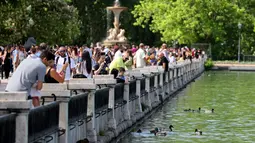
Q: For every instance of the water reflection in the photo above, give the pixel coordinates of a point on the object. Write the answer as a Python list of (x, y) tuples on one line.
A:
[(232, 96)]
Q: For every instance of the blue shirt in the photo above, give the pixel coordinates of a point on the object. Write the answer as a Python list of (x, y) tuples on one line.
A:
[(38, 54)]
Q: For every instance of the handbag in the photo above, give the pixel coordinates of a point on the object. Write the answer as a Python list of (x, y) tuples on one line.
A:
[(79, 75)]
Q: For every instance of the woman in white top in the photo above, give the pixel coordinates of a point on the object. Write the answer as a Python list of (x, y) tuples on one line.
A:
[(85, 67)]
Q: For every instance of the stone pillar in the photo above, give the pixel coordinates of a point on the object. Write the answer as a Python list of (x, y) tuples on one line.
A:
[(147, 89), (18, 102), (156, 85), (161, 84), (91, 128), (63, 119), (167, 84), (126, 97), (112, 124), (185, 74), (175, 78), (182, 82), (138, 93), (179, 77), (171, 81)]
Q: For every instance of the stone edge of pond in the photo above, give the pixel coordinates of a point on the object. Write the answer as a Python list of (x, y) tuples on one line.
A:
[(114, 136)]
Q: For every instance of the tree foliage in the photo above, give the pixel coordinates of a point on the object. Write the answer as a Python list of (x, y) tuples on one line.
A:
[(51, 21), (190, 21)]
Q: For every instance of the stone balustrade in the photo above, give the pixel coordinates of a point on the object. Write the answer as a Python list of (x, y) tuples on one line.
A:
[(98, 109)]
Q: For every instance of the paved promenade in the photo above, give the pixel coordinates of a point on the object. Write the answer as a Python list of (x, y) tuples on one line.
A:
[(3, 84)]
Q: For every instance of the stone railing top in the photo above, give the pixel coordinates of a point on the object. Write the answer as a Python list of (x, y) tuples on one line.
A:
[(83, 83), (58, 89), (104, 79), (136, 73), (15, 100), (13, 96)]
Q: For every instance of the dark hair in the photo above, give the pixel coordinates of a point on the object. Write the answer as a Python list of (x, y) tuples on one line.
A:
[(86, 57), (122, 69), (75, 49), (115, 72), (48, 55), (33, 49)]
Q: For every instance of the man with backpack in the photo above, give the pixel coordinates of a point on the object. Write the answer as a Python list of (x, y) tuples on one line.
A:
[(63, 58)]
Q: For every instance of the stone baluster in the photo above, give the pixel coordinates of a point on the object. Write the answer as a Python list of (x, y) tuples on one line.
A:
[(110, 82), (156, 85), (171, 80), (147, 89), (161, 85), (17, 102), (138, 93), (126, 97), (89, 86), (63, 96)]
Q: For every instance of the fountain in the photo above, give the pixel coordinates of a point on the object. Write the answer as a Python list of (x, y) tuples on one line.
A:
[(116, 35)]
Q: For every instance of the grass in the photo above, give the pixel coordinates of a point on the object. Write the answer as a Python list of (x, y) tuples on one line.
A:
[(233, 62)]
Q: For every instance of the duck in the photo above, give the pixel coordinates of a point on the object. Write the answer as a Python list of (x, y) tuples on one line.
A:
[(187, 110), (206, 111), (209, 111), (170, 128), (198, 132), (161, 133), (154, 131), (139, 131)]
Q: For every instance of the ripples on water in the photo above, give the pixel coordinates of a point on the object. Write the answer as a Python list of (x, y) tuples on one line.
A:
[(231, 94)]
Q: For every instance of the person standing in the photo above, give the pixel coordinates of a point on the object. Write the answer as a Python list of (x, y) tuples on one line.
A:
[(7, 62), (30, 73), (163, 62), (61, 60), (85, 67), (140, 57)]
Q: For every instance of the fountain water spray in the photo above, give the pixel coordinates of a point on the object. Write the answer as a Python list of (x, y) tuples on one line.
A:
[(117, 3)]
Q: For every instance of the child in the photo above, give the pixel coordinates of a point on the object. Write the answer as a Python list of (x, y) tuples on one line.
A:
[(121, 73)]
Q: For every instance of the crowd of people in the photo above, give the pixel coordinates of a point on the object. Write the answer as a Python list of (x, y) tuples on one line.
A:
[(43, 64)]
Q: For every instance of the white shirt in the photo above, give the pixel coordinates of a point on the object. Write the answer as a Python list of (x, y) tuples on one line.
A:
[(139, 57), (21, 55), (118, 54), (61, 63), (172, 59), (165, 52), (83, 70), (33, 56)]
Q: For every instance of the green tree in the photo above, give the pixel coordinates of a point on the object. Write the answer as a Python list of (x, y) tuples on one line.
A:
[(190, 21), (50, 21)]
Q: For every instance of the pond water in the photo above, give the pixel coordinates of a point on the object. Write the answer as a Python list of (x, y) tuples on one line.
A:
[(231, 94)]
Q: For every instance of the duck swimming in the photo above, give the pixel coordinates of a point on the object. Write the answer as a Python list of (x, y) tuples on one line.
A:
[(187, 110), (198, 132), (139, 131), (154, 131), (206, 111), (158, 132), (170, 128)]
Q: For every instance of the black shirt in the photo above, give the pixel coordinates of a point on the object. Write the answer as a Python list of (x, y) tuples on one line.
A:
[(103, 70), (162, 61), (49, 79)]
